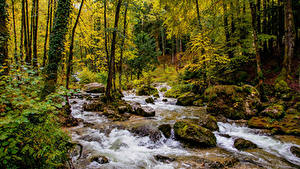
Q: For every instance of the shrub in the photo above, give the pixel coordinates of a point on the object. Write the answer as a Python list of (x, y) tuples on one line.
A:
[(30, 136)]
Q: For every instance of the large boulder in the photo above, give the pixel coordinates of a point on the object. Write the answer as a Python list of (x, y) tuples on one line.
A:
[(275, 111), (282, 90), (187, 99), (94, 88), (93, 106), (242, 144), (232, 101), (146, 91), (207, 121), (166, 130), (149, 100), (147, 130), (139, 110), (193, 135)]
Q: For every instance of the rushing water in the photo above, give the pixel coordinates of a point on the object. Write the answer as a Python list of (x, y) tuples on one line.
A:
[(99, 136)]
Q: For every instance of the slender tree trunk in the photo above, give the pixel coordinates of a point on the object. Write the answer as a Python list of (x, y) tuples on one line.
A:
[(289, 38), (122, 48), (226, 29), (258, 62), (4, 36), (258, 16), (15, 33), (32, 25), (46, 33), (57, 39), (112, 56), (105, 32), (21, 38), (35, 34), (198, 14), (70, 59)]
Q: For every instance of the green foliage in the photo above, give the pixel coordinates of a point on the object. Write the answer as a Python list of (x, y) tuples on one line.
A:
[(86, 76), (178, 90), (30, 135), (146, 54)]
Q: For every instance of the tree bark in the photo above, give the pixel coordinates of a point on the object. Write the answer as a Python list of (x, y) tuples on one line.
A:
[(289, 38), (57, 39), (46, 33), (70, 58), (105, 32), (15, 33), (4, 36), (122, 47), (226, 29), (112, 56), (35, 34), (257, 53), (198, 14)]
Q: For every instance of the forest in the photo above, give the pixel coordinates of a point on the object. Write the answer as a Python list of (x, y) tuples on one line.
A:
[(88, 84)]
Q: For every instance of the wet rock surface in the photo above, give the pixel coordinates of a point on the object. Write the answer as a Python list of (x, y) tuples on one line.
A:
[(147, 130), (242, 144), (94, 88), (165, 129), (193, 135), (164, 159)]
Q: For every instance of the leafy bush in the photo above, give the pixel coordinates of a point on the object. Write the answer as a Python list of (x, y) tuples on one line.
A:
[(86, 76), (178, 90), (30, 136)]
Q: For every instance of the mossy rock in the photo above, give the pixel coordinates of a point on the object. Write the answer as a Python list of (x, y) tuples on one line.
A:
[(193, 135), (146, 91), (207, 121), (164, 89), (232, 101), (149, 100), (295, 150), (198, 102), (275, 111), (187, 99), (282, 90), (261, 122), (242, 144), (166, 130), (178, 90)]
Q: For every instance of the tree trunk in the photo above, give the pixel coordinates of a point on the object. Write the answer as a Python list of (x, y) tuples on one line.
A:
[(4, 36), (57, 39), (35, 34), (122, 47), (226, 29), (289, 38), (70, 58), (198, 14), (15, 33), (105, 32), (46, 33), (112, 56), (258, 62)]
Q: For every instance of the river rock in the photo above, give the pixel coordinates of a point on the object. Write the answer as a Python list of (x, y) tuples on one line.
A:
[(149, 100), (242, 144), (147, 130), (139, 110), (187, 99), (296, 151), (193, 135), (93, 106), (165, 100), (164, 159), (232, 101), (275, 111), (146, 90), (94, 88), (206, 121), (99, 159), (166, 130)]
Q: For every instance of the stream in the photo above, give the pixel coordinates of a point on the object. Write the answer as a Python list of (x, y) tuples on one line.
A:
[(100, 136)]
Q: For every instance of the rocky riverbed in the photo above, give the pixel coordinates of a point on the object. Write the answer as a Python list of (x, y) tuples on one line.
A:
[(154, 132)]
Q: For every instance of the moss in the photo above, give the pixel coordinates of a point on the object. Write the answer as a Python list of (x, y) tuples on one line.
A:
[(275, 111), (164, 89), (146, 90), (178, 90), (261, 122), (186, 99), (193, 135), (166, 130)]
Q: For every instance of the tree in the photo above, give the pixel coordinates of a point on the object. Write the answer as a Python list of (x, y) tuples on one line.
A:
[(111, 63), (49, 14), (4, 35), (122, 46), (70, 58), (289, 38), (57, 39)]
